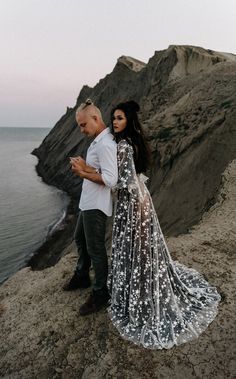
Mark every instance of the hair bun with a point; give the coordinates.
(133, 105)
(88, 102)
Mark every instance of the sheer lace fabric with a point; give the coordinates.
(155, 301)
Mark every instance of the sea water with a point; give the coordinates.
(29, 208)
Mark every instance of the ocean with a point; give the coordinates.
(29, 208)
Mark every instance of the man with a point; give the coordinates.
(100, 175)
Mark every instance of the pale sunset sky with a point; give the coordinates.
(51, 48)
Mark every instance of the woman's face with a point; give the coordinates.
(119, 121)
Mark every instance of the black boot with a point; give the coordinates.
(77, 282)
(96, 301)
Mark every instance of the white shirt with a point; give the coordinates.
(101, 154)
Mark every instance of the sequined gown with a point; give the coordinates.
(155, 301)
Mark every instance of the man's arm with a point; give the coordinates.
(79, 167)
(94, 177)
(107, 154)
(83, 165)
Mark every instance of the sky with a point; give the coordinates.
(51, 48)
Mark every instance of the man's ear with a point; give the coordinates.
(95, 117)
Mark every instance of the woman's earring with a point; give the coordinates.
(135, 127)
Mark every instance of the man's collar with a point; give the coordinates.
(100, 135)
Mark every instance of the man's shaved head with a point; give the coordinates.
(89, 119)
(89, 108)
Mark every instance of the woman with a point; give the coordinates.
(155, 302)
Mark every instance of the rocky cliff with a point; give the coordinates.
(43, 336)
(188, 100)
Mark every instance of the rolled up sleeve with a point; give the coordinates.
(107, 155)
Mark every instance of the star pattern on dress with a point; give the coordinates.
(155, 301)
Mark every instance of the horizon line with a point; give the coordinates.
(28, 127)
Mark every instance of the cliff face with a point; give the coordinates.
(188, 100)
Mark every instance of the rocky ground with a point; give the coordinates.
(43, 336)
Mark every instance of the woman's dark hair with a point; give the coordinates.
(133, 134)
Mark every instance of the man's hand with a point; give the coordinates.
(78, 166)
(81, 162)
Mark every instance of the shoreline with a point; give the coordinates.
(60, 235)
(51, 250)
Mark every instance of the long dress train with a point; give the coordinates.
(155, 301)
